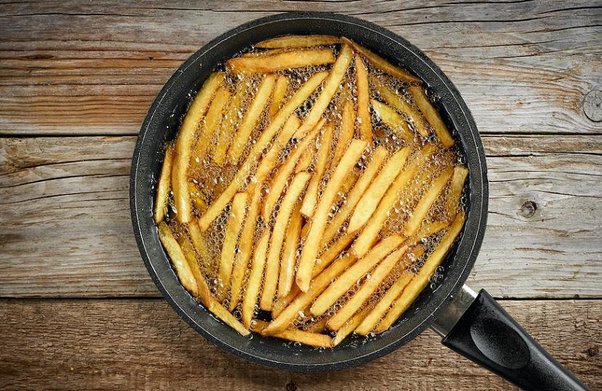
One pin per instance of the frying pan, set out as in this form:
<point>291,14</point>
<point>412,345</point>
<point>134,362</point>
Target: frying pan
<point>473,325</point>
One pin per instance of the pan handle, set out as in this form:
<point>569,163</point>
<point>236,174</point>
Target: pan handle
<point>479,329</point>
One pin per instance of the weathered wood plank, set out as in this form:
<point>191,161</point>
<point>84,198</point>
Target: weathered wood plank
<point>94,68</point>
<point>142,344</point>
<point>66,229</point>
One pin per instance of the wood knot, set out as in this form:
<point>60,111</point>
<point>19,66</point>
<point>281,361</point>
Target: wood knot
<point>592,105</point>
<point>593,351</point>
<point>291,386</point>
<point>528,209</point>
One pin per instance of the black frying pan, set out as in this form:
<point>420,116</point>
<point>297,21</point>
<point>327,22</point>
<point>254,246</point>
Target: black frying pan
<point>475,327</point>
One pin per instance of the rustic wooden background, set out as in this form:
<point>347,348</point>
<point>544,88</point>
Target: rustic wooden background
<point>77,307</point>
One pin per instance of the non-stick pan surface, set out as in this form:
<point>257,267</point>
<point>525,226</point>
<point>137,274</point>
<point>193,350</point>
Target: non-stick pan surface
<point>162,123</point>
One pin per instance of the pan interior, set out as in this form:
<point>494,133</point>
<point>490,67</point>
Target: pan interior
<point>162,123</point>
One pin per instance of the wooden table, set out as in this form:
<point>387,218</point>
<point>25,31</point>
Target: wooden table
<point>78,309</point>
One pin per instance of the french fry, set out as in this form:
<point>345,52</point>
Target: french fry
<point>230,122</point>
<point>305,160</point>
<point>378,157</point>
<point>421,279</point>
<point>383,64</point>
<point>430,229</point>
<point>245,245</point>
<point>320,218</point>
<point>202,292</point>
<point>427,200</point>
<point>222,313</point>
<point>322,263</point>
<point>163,186</point>
<point>270,160</point>
<point>211,123</point>
<point>352,305</point>
<point>399,103</point>
<point>370,232</point>
<point>199,243</point>
<point>196,197</point>
<point>310,338</point>
<point>371,320</point>
<point>393,120</point>
<point>287,60</point>
<point>251,117</point>
<point>270,282</point>
<point>372,196</point>
<point>280,179</point>
<point>251,294</point>
<point>431,115</point>
<point>268,52</point>
<point>350,326</point>
<point>345,132</point>
<point>298,41</point>
<point>331,85</point>
<point>184,144</point>
<point>286,317</point>
<point>233,227</point>
<point>285,112</point>
<point>317,326</point>
<point>289,254</point>
<point>452,202</point>
<point>363,100</point>
<point>311,195</point>
<point>178,260</point>
<point>278,95</point>
<point>354,273</point>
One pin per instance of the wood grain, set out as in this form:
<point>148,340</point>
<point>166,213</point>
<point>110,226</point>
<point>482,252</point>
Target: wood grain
<point>142,344</point>
<point>94,68</point>
<point>67,231</point>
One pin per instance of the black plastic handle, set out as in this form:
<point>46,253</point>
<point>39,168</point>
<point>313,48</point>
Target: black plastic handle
<point>487,335</point>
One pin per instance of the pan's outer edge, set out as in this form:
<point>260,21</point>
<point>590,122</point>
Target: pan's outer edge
<point>476,178</point>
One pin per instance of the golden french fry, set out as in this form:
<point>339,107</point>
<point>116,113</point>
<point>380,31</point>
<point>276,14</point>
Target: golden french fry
<point>280,179</point>
<point>421,279</point>
<point>270,160</point>
<point>354,273</point>
<point>380,273</point>
<point>178,260</point>
<point>399,103</point>
<point>333,81</point>
<point>305,337</point>
<point>372,196</point>
<point>350,325</point>
<point>222,313</point>
<point>251,294</point>
<point>393,120</point>
<point>305,160</point>
<point>184,144</point>
<point>370,232</point>
<point>251,117</point>
<point>289,254</point>
<point>430,229</point>
<point>285,112</point>
<point>196,197</point>
<point>278,95</point>
<point>281,61</point>
<point>199,243</point>
<point>427,200</point>
<point>363,100</point>
<point>298,41</point>
<point>383,64</point>
<point>452,202</point>
<point>202,293</point>
<point>378,157</point>
<point>233,227</point>
<point>345,132</point>
<point>211,123</point>
<point>320,218</point>
<point>245,245</point>
<point>432,115</point>
<point>370,320</point>
<point>268,52</point>
<point>317,326</point>
<point>324,152</point>
<point>286,317</point>
<point>230,122</point>
<point>270,282</point>
<point>163,185</point>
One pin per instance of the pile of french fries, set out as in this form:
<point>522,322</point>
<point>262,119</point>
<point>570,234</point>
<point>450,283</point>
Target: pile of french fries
<point>312,192</point>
